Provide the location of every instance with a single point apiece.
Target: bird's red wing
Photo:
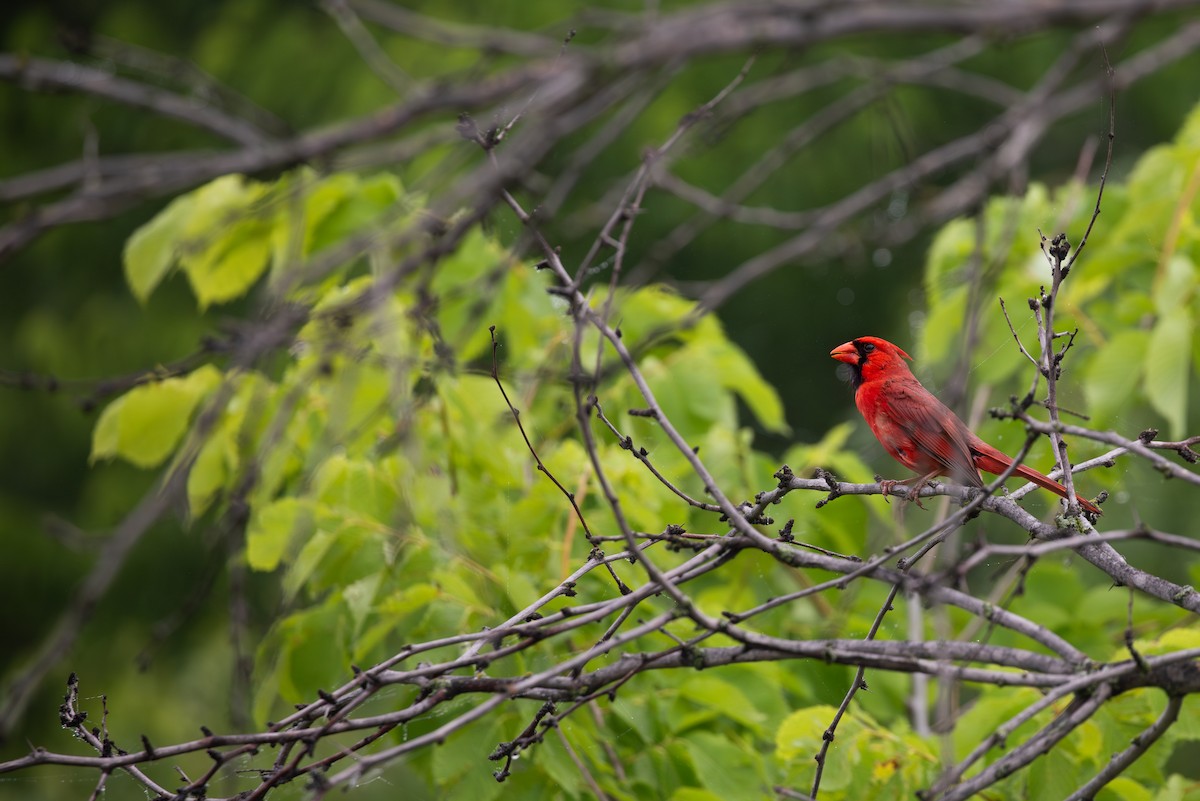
(935, 430)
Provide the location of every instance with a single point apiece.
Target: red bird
(917, 429)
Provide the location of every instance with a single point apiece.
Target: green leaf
(272, 527)
(694, 794)
(1115, 372)
(824, 453)
(1123, 788)
(735, 371)
(1168, 359)
(640, 716)
(320, 198)
(229, 267)
(943, 326)
(552, 757)
(307, 561)
(466, 750)
(651, 310)
(723, 768)
(481, 263)
(460, 585)
(993, 710)
(354, 486)
(217, 236)
(311, 653)
(1154, 188)
(714, 693)
(360, 598)
(216, 204)
(153, 248)
(408, 600)
(1188, 137)
(106, 436)
(1088, 740)
(1175, 789)
(800, 734)
(355, 400)
(145, 425)
(1052, 777)
(1187, 727)
(951, 249)
(211, 470)
(1175, 285)
(692, 399)
(366, 202)
(800, 738)
(1054, 592)
(517, 586)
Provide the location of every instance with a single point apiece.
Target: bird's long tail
(993, 461)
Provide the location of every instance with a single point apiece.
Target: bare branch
(37, 74)
(1140, 745)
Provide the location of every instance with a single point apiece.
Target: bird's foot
(914, 494)
(886, 485)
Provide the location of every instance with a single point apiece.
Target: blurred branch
(1141, 743)
(151, 180)
(158, 67)
(43, 75)
(796, 24)
(880, 79)
(372, 54)
(670, 40)
(1009, 138)
(90, 392)
(419, 26)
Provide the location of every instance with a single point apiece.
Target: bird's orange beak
(845, 353)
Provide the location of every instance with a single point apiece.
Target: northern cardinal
(917, 429)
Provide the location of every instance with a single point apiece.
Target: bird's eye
(868, 347)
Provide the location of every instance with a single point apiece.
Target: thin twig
(1137, 747)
